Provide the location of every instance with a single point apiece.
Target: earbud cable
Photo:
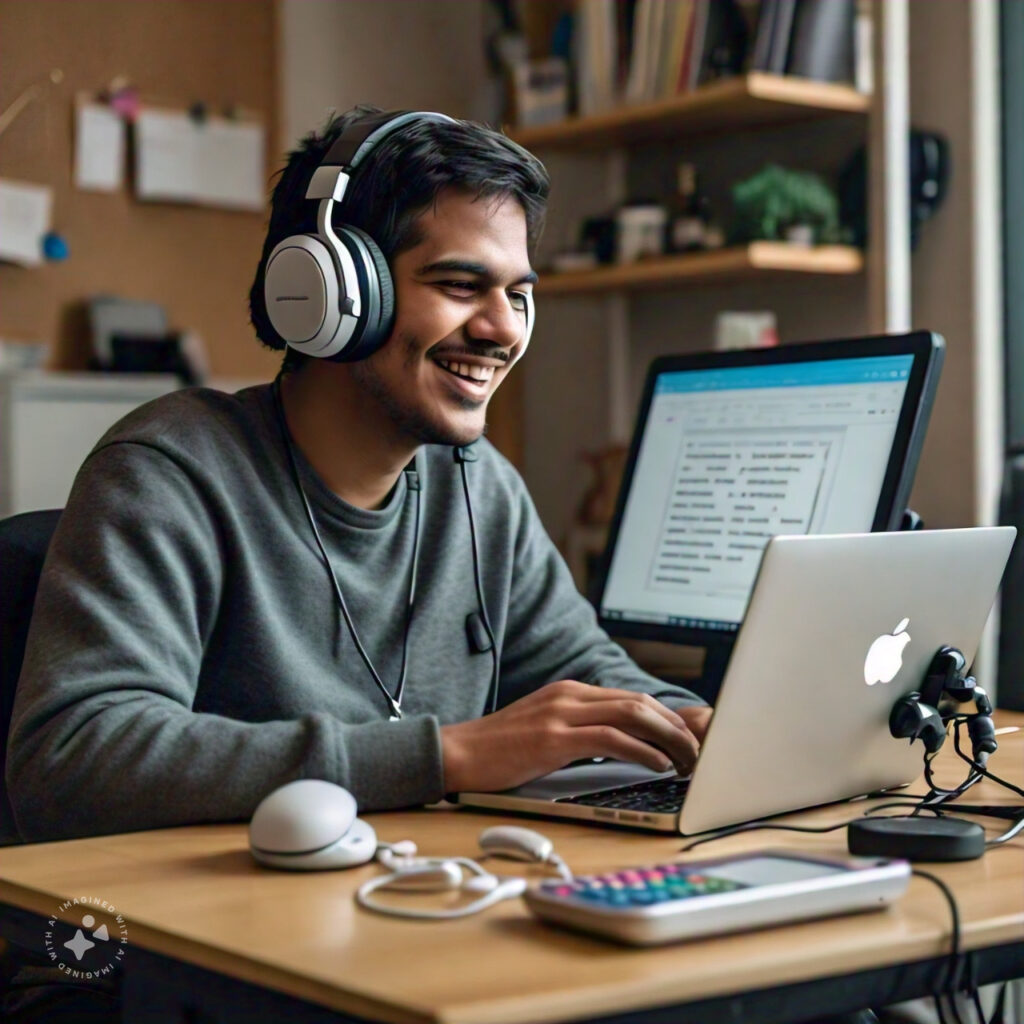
(492, 702)
(394, 702)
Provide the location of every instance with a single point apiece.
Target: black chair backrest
(23, 542)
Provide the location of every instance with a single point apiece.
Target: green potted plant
(780, 204)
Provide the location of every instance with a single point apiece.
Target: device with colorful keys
(669, 902)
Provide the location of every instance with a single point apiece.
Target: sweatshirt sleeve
(104, 737)
(552, 631)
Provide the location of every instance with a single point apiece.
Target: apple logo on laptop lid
(885, 656)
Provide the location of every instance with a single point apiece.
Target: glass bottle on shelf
(690, 213)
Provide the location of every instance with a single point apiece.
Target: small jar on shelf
(640, 231)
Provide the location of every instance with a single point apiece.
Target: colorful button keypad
(642, 887)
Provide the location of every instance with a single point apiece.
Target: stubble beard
(411, 421)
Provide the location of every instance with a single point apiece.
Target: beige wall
(389, 53)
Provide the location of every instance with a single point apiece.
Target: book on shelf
(782, 36)
(826, 40)
(636, 73)
(822, 41)
(863, 48)
(673, 49)
(771, 41)
(672, 46)
(723, 46)
(642, 51)
(760, 57)
(596, 52)
(698, 45)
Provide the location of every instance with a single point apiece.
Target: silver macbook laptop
(838, 627)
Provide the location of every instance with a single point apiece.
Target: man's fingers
(607, 741)
(642, 722)
(587, 694)
(697, 718)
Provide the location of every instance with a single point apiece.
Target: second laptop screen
(730, 457)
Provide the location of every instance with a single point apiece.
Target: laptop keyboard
(661, 796)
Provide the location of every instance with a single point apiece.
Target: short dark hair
(400, 178)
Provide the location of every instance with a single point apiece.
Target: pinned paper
(24, 220)
(99, 148)
(214, 161)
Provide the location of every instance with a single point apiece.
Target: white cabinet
(49, 422)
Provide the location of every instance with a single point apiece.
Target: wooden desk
(208, 927)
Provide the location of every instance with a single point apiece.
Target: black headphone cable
(462, 456)
(413, 485)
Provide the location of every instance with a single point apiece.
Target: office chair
(23, 542)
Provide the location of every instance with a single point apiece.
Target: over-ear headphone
(329, 293)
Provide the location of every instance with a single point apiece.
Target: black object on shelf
(930, 169)
(725, 42)
(598, 235)
(149, 354)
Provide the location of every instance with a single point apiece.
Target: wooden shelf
(748, 101)
(745, 262)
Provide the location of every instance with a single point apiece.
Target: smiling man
(333, 576)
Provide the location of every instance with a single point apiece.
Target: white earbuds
(410, 873)
(521, 844)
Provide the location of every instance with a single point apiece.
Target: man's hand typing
(564, 722)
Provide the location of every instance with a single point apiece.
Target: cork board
(196, 261)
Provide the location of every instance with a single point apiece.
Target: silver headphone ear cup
(300, 291)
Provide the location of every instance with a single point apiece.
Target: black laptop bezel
(927, 349)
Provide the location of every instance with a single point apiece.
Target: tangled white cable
(409, 873)
(434, 874)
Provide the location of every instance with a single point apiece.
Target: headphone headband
(351, 148)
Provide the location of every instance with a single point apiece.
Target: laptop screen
(733, 448)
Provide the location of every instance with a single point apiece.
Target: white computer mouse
(310, 825)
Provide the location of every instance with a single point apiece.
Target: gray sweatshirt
(187, 654)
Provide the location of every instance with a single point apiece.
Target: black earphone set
(925, 713)
(329, 294)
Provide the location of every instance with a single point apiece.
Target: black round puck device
(927, 839)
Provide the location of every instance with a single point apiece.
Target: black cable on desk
(955, 964)
(990, 775)
(755, 826)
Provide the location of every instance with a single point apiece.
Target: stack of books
(641, 51)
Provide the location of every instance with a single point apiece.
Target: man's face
(460, 297)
